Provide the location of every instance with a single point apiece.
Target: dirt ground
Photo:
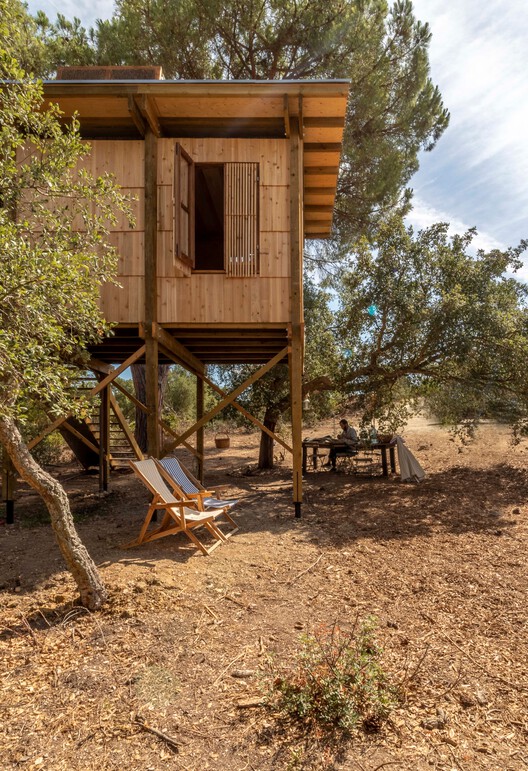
(180, 645)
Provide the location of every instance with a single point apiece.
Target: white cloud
(85, 10)
(423, 215)
(479, 58)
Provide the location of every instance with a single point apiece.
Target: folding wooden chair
(181, 515)
(194, 490)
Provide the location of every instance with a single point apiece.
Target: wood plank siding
(256, 292)
(226, 262)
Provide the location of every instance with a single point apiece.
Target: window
(209, 216)
(216, 224)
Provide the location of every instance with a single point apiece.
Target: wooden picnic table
(388, 452)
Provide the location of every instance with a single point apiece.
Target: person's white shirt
(349, 435)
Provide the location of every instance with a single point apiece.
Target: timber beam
(137, 117)
(296, 330)
(286, 116)
(148, 110)
(185, 357)
(77, 434)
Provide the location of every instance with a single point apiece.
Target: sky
(477, 175)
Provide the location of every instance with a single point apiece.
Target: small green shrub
(52, 450)
(337, 683)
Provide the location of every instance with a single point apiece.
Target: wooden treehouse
(228, 179)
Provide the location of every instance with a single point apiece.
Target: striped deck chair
(181, 515)
(192, 487)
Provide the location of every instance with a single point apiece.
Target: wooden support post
(286, 117)
(200, 432)
(297, 336)
(152, 398)
(151, 293)
(295, 361)
(9, 478)
(104, 439)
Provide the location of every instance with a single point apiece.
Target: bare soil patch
(182, 642)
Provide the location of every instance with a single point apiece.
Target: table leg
(315, 458)
(384, 464)
(392, 452)
(304, 454)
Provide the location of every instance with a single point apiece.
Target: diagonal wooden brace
(178, 353)
(230, 398)
(95, 390)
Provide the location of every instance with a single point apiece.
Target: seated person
(345, 444)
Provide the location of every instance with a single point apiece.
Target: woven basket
(222, 440)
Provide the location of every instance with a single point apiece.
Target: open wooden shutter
(241, 219)
(183, 205)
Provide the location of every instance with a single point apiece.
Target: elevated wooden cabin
(228, 178)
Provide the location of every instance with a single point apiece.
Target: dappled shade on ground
(442, 565)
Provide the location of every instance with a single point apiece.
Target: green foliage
(443, 315)
(179, 405)
(54, 251)
(394, 111)
(40, 46)
(63, 42)
(52, 450)
(394, 108)
(337, 683)
(231, 39)
(456, 402)
(464, 406)
(322, 355)
(269, 397)
(126, 405)
(389, 409)
(19, 37)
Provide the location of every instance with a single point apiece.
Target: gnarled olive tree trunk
(271, 417)
(92, 590)
(273, 414)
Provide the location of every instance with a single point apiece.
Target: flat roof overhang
(124, 109)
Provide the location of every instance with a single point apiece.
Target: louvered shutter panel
(183, 205)
(241, 219)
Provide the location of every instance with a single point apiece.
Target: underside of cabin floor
(214, 344)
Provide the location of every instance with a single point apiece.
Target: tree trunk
(92, 590)
(139, 380)
(271, 417)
